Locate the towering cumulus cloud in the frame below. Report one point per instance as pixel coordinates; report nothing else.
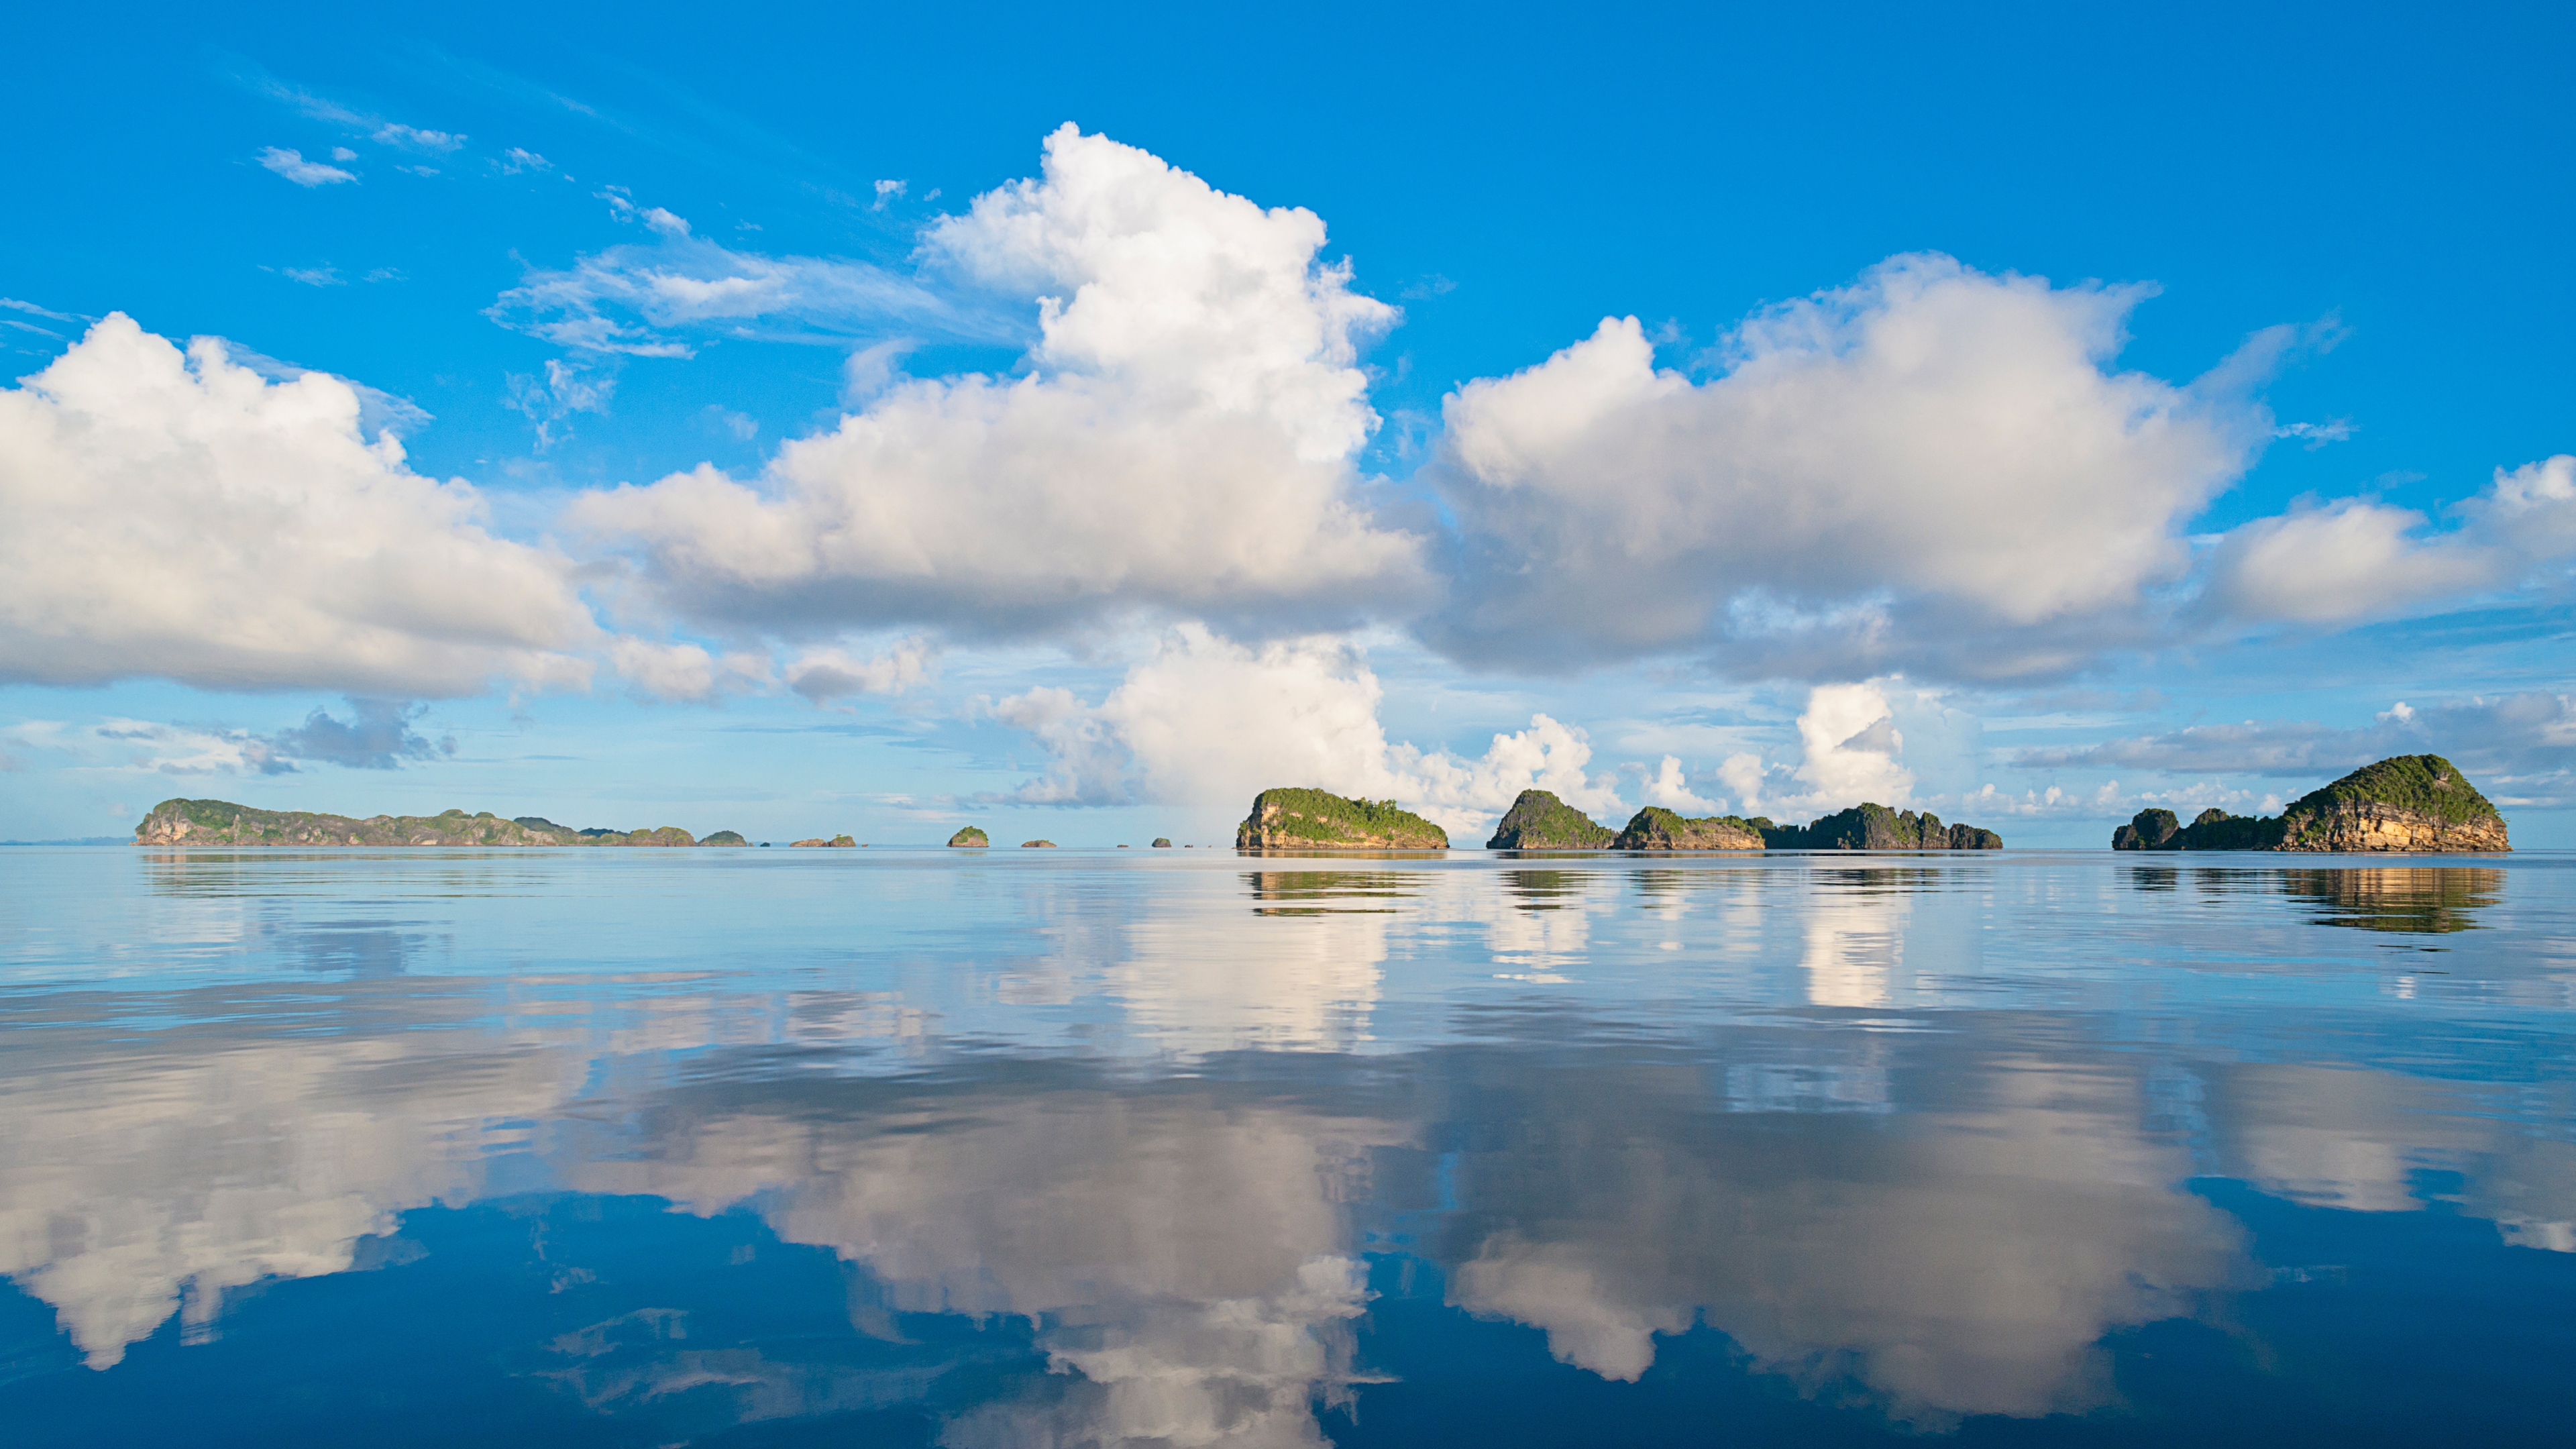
(1209, 720)
(1930, 470)
(179, 515)
(1181, 439)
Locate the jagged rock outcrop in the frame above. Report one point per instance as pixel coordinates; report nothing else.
(2149, 830)
(2418, 804)
(220, 822)
(1540, 821)
(1320, 820)
(1655, 828)
(1876, 827)
(970, 837)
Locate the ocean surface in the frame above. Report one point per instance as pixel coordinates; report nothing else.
(887, 1147)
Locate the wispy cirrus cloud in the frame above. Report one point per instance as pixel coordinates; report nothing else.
(291, 164)
(551, 401)
(665, 297)
(315, 106)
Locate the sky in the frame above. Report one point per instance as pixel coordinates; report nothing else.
(804, 421)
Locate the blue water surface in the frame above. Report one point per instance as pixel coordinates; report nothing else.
(747, 1147)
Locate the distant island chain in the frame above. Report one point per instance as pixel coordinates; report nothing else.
(2412, 803)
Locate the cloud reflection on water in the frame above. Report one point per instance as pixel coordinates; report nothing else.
(1943, 1221)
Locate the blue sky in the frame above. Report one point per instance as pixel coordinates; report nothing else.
(2140, 409)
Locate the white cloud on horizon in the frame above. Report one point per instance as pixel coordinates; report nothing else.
(1669, 788)
(2519, 748)
(1210, 721)
(1850, 748)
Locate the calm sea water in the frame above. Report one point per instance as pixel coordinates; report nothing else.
(1183, 1148)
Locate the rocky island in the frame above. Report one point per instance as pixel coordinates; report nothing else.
(2412, 803)
(1876, 827)
(1319, 820)
(971, 837)
(220, 822)
(1656, 828)
(1538, 820)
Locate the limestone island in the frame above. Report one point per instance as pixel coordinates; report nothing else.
(1319, 820)
(1538, 820)
(972, 837)
(2419, 804)
(220, 822)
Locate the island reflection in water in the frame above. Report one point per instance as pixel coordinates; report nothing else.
(916, 1148)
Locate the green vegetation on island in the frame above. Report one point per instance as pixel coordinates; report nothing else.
(1538, 820)
(220, 822)
(1656, 828)
(971, 837)
(1876, 827)
(1162, 842)
(1037, 845)
(1289, 819)
(2408, 803)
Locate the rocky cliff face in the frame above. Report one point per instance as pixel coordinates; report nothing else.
(2410, 803)
(1655, 828)
(1540, 821)
(1320, 820)
(1876, 827)
(2148, 830)
(2367, 826)
(220, 822)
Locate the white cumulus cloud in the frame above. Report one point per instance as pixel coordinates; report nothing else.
(181, 516)
(1851, 749)
(2355, 559)
(1182, 439)
(1931, 469)
(1670, 788)
(684, 671)
(1211, 721)
(822, 675)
